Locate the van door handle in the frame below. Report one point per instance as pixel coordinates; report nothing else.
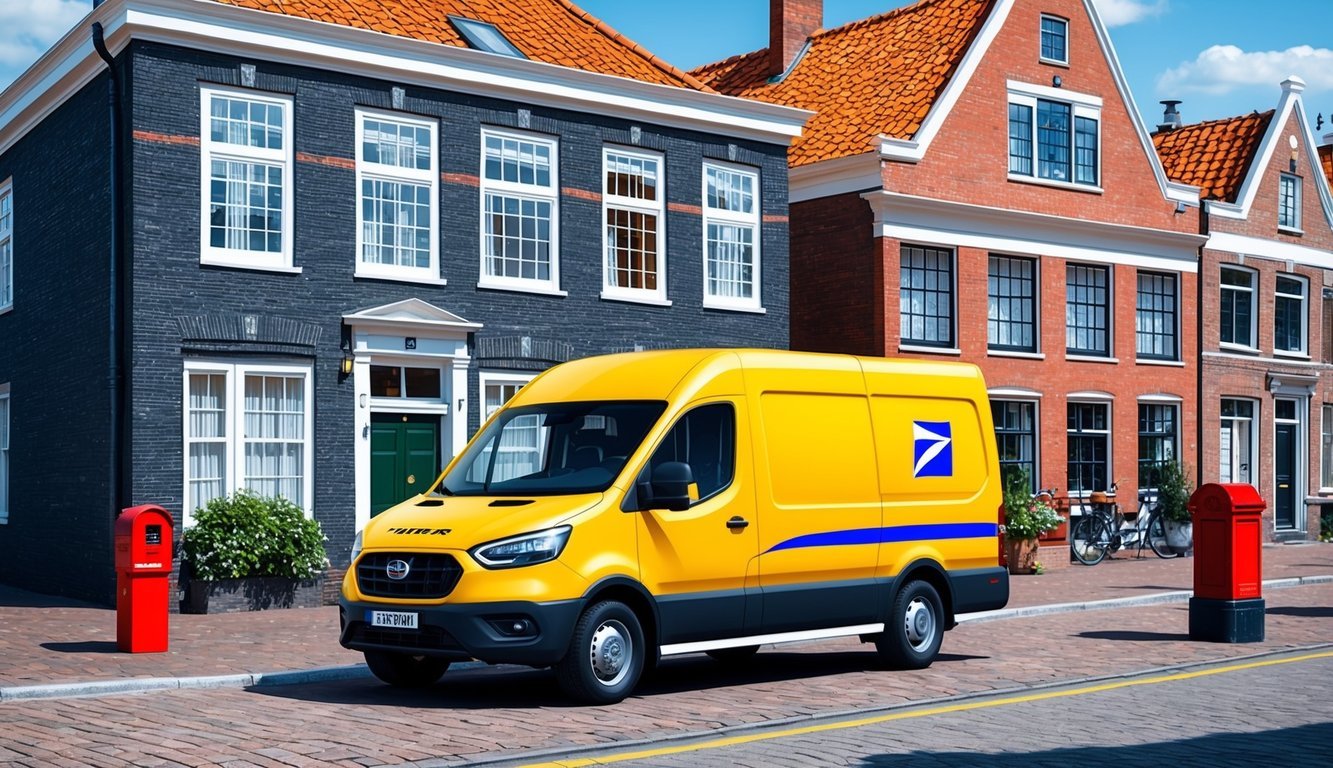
(737, 523)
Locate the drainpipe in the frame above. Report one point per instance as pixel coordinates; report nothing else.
(1198, 348)
(119, 466)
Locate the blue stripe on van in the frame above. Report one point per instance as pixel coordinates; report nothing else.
(890, 535)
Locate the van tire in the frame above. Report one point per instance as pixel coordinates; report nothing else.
(912, 637)
(606, 655)
(402, 670)
(733, 655)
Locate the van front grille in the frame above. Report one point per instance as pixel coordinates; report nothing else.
(428, 575)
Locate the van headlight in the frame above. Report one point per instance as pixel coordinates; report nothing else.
(528, 549)
(357, 545)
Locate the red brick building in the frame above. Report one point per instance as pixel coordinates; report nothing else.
(977, 185)
(1266, 410)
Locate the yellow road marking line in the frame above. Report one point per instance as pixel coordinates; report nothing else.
(731, 741)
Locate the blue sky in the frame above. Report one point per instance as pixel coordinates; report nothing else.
(1221, 57)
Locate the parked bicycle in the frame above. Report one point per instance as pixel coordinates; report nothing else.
(1103, 529)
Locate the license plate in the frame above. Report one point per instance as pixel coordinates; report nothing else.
(393, 619)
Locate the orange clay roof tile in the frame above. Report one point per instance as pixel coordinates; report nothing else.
(1214, 156)
(550, 31)
(877, 76)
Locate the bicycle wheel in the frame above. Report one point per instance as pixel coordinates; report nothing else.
(1157, 538)
(1090, 540)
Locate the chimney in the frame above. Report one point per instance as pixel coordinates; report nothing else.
(1170, 116)
(790, 23)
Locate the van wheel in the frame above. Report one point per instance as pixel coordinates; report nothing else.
(605, 657)
(912, 638)
(403, 671)
(734, 655)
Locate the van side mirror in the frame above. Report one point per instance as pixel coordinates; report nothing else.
(669, 487)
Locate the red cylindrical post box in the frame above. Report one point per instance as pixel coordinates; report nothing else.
(1228, 564)
(143, 575)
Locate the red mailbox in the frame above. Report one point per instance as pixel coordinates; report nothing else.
(143, 575)
(1228, 564)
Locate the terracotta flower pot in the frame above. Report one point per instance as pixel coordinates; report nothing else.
(1021, 554)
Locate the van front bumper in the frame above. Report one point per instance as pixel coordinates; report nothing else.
(516, 632)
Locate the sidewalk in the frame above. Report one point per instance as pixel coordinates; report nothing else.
(49, 643)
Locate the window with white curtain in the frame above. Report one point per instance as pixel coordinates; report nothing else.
(247, 426)
(519, 218)
(521, 444)
(396, 187)
(731, 237)
(245, 146)
(4, 453)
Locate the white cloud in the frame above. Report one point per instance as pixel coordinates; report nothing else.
(29, 27)
(1118, 13)
(1225, 68)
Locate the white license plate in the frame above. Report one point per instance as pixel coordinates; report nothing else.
(394, 619)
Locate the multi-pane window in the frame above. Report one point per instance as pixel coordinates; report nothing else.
(925, 301)
(1237, 300)
(405, 382)
(6, 245)
(1062, 143)
(1016, 437)
(1236, 441)
(519, 186)
(1088, 436)
(1289, 201)
(1289, 314)
(632, 198)
(1326, 440)
(522, 443)
(1012, 304)
(246, 150)
(247, 427)
(731, 237)
(1155, 316)
(1087, 310)
(396, 194)
(1158, 430)
(4, 453)
(1054, 39)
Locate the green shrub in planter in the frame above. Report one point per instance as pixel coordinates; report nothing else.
(246, 535)
(1024, 516)
(1174, 489)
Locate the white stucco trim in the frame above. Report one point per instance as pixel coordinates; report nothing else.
(1275, 250)
(919, 219)
(205, 25)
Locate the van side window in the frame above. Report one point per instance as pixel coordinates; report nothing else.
(704, 438)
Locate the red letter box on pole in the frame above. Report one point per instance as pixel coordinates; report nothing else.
(1227, 606)
(143, 574)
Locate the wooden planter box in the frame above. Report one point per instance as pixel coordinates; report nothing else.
(255, 594)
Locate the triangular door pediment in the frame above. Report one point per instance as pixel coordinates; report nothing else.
(410, 313)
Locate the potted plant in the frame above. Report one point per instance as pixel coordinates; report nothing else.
(250, 552)
(1174, 488)
(1025, 519)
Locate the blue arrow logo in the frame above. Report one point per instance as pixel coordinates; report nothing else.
(933, 449)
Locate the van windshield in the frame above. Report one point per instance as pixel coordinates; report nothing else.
(560, 448)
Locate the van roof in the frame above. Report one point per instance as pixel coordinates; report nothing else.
(654, 375)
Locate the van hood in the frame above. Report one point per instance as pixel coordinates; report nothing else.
(462, 522)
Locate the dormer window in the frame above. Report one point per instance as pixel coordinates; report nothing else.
(485, 37)
(1054, 40)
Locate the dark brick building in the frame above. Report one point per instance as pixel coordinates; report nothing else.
(245, 248)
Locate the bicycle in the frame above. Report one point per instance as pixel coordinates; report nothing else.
(1105, 530)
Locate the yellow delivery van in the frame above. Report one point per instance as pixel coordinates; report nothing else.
(623, 508)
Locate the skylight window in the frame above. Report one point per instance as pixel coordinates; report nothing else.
(485, 37)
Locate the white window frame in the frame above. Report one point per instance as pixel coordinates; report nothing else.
(1080, 105)
(734, 218)
(1251, 442)
(655, 208)
(1168, 401)
(1294, 227)
(429, 177)
(1304, 298)
(5, 454)
(1041, 32)
(518, 379)
(234, 409)
(1253, 291)
(210, 151)
(1083, 398)
(1326, 449)
(927, 345)
(548, 194)
(7, 246)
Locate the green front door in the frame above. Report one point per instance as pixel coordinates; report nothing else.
(404, 457)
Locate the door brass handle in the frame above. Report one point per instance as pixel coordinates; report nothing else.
(411, 479)
(737, 523)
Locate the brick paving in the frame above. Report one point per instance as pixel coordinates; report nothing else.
(50, 640)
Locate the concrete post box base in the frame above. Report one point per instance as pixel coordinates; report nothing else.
(1227, 621)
